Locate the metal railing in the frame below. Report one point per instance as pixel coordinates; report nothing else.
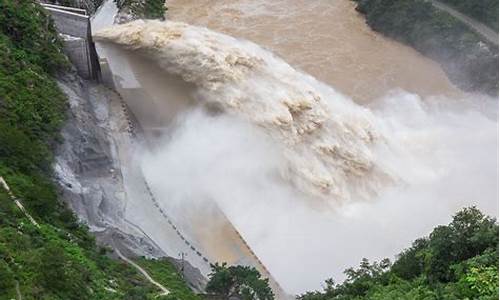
(132, 131)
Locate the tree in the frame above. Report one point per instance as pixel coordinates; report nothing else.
(410, 262)
(238, 281)
(359, 281)
(62, 274)
(469, 234)
(6, 277)
(456, 261)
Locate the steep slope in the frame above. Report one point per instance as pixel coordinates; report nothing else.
(59, 259)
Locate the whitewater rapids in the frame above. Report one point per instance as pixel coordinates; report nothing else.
(271, 142)
(330, 143)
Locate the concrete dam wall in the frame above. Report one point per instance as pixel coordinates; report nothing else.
(74, 26)
(151, 97)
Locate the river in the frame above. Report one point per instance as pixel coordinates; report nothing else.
(314, 176)
(325, 38)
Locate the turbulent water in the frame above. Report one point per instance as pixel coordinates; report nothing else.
(326, 38)
(308, 176)
(330, 143)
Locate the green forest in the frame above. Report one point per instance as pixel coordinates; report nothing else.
(456, 261)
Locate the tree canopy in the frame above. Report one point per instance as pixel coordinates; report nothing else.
(456, 261)
(243, 282)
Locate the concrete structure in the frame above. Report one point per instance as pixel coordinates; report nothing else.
(74, 26)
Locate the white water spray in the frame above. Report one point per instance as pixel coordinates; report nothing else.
(329, 142)
(282, 147)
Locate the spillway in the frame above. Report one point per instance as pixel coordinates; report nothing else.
(154, 99)
(240, 142)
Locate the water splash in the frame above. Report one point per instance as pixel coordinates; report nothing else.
(330, 143)
(270, 142)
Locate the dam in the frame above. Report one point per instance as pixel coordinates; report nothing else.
(308, 157)
(74, 26)
(154, 99)
(213, 240)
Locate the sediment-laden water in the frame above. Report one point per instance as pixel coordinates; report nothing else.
(327, 39)
(313, 180)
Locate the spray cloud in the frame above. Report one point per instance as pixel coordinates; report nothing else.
(313, 181)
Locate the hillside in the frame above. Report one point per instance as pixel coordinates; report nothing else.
(456, 261)
(485, 11)
(469, 61)
(59, 260)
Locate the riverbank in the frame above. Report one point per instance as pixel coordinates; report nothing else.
(328, 40)
(469, 60)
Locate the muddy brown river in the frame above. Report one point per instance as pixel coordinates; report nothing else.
(431, 150)
(327, 39)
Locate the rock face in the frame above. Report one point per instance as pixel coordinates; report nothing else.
(84, 163)
(87, 168)
(89, 173)
(192, 275)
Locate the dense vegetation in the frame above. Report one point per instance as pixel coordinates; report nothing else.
(242, 282)
(59, 260)
(457, 261)
(147, 9)
(164, 272)
(469, 61)
(485, 11)
(31, 105)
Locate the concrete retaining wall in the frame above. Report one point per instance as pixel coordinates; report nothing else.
(74, 25)
(77, 52)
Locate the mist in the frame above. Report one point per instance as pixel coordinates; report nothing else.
(448, 161)
(311, 180)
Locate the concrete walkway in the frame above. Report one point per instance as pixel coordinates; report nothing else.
(4, 184)
(164, 290)
(477, 26)
(18, 291)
